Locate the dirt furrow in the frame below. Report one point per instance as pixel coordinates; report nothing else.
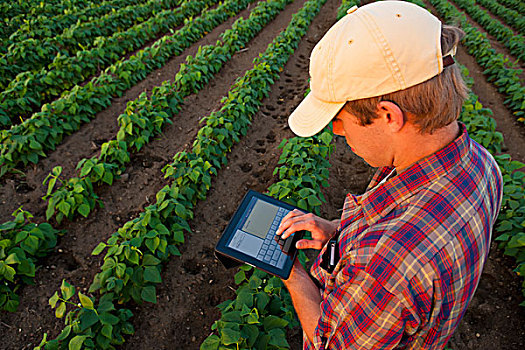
(512, 130)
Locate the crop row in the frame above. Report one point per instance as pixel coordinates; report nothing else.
(517, 5)
(10, 9)
(21, 28)
(262, 308)
(118, 149)
(496, 65)
(515, 43)
(22, 242)
(28, 141)
(145, 116)
(509, 227)
(33, 88)
(33, 54)
(134, 254)
(510, 16)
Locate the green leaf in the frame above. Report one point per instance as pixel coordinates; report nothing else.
(12, 259)
(11, 305)
(67, 290)
(152, 274)
(313, 201)
(149, 294)
(65, 333)
(64, 207)
(85, 301)
(278, 338)
(106, 331)
(178, 236)
(211, 343)
(99, 248)
(240, 277)
(150, 260)
(230, 336)
(84, 209)
(76, 342)
(61, 310)
(272, 322)
(53, 300)
(253, 317)
(88, 318)
(250, 333)
(30, 244)
(262, 300)
(108, 318)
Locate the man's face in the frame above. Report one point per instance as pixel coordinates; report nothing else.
(368, 142)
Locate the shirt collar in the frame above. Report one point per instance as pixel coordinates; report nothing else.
(381, 199)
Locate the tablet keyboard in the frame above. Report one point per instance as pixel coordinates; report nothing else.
(274, 249)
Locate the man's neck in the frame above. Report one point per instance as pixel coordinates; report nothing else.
(414, 146)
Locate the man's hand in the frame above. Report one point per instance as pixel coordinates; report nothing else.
(322, 230)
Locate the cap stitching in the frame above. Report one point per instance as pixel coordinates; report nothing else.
(385, 49)
(331, 60)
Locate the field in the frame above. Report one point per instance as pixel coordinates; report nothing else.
(131, 183)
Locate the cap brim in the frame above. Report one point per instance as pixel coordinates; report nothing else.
(312, 115)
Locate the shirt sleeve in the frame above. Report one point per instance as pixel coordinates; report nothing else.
(359, 314)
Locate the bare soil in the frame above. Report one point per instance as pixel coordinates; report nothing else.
(194, 283)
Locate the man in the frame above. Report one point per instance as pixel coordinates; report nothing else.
(400, 267)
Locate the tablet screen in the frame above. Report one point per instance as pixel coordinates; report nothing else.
(250, 236)
(255, 232)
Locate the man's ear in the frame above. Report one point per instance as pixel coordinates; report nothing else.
(391, 114)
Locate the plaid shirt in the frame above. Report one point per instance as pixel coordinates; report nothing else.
(412, 250)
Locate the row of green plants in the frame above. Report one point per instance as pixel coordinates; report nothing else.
(498, 69)
(517, 5)
(262, 308)
(22, 243)
(134, 254)
(29, 90)
(27, 142)
(515, 43)
(145, 116)
(23, 27)
(9, 9)
(10, 24)
(511, 17)
(510, 224)
(33, 54)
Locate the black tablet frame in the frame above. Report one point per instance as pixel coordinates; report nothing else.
(231, 257)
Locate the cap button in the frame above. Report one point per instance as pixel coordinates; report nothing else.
(351, 9)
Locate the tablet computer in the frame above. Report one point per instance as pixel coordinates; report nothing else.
(250, 236)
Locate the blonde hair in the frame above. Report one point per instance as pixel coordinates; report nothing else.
(434, 103)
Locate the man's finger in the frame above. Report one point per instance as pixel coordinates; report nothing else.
(308, 244)
(290, 219)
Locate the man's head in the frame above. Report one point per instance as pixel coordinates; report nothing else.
(385, 51)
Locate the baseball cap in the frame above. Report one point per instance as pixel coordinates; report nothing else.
(374, 50)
